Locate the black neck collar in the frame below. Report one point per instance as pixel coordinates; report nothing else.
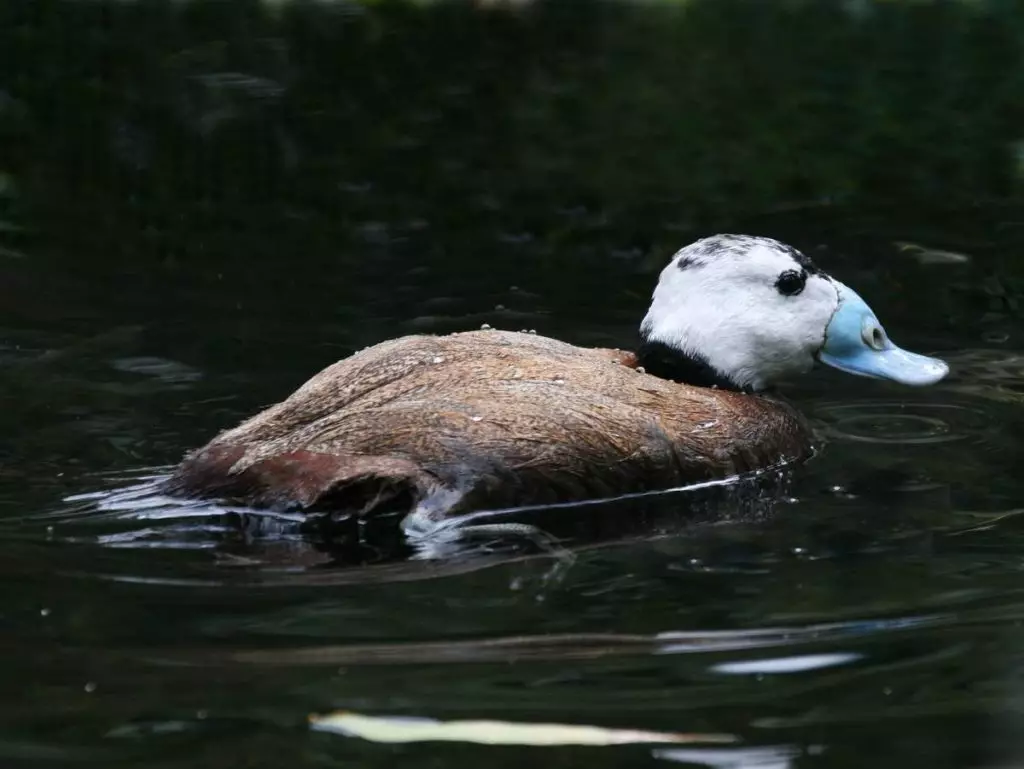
(665, 362)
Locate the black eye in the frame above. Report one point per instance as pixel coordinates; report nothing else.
(791, 282)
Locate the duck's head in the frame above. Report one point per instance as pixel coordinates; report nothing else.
(744, 312)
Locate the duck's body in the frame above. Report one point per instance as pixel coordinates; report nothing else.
(488, 418)
(442, 425)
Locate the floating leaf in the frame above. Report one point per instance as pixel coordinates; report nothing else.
(393, 729)
(926, 255)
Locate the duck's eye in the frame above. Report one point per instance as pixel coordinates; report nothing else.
(873, 335)
(791, 282)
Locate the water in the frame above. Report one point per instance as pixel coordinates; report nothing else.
(203, 204)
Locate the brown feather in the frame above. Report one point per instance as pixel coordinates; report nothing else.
(486, 418)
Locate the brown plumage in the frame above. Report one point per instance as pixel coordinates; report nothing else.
(447, 424)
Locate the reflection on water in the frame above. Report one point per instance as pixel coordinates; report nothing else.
(768, 757)
(995, 374)
(202, 204)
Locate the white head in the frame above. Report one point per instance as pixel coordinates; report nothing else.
(751, 311)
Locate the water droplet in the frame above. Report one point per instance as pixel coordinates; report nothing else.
(499, 307)
(438, 359)
(532, 331)
(477, 419)
(486, 327)
(202, 714)
(886, 691)
(560, 381)
(90, 687)
(44, 612)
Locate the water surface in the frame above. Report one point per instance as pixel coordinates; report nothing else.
(206, 204)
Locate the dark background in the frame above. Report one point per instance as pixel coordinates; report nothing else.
(202, 203)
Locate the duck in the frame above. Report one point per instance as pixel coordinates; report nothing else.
(437, 426)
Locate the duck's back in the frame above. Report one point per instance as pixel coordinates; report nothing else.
(486, 418)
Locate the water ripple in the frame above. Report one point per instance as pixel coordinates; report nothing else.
(901, 422)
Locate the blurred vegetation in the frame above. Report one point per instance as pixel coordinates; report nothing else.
(158, 136)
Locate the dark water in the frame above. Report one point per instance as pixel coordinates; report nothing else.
(203, 204)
